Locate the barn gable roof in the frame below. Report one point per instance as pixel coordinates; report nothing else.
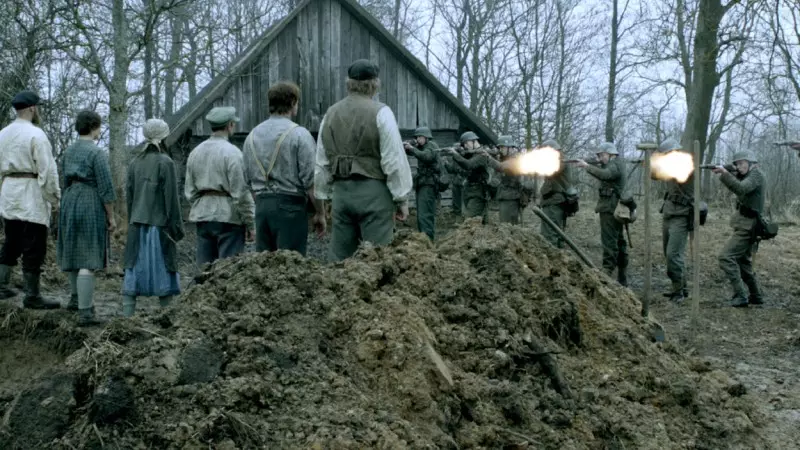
(182, 120)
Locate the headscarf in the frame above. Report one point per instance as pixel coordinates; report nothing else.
(155, 131)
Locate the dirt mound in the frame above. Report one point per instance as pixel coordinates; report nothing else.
(490, 340)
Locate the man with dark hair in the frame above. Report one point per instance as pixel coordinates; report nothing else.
(361, 165)
(279, 161)
(29, 180)
(222, 206)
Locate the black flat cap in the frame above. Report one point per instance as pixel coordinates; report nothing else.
(25, 99)
(362, 70)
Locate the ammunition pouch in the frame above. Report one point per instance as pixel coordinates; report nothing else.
(747, 212)
(606, 192)
(679, 199)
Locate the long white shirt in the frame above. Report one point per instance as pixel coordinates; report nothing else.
(394, 162)
(24, 148)
(217, 165)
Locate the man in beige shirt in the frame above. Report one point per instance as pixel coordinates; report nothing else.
(28, 192)
(222, 206)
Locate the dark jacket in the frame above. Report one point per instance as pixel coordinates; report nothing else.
(152, 200)
(749, 192)
(679, 199)
(555, 186)
(428, 167)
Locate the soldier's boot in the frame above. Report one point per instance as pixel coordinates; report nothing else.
(85, 287)
(756, 297)
(73, 287)
(128, 305)
(622, 269)
(5, 280)
(678, 293)
(33, 298)
(739, 301)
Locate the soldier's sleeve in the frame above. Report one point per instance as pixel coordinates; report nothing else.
(609, 173)
(741, 187)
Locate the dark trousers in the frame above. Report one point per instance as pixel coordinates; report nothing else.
(281, 223)
(559, 217)
(615, 248)
(25, 239)
(674, 235)
(219, 240)
(426, 210)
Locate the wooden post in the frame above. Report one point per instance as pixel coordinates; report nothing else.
(538, 211)
(648, 256)
(696, 244)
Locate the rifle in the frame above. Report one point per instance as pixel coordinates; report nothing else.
(793, 144)
(727, 167)
(592, 162)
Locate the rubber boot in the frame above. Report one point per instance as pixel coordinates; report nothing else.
(85, 287)
(165, 300)
(73, 288)
(5, 280)
(33, 298)
(128, 305)
(739, 301)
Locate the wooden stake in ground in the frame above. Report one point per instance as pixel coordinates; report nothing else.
(696, 244)
(536, 210)
(647, 147)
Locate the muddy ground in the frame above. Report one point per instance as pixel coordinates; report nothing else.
(758, 346)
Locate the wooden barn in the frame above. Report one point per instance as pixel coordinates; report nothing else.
(313, 46)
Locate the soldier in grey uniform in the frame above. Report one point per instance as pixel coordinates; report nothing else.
(476, 163)
(612, 176)
(736, 258)
(509, 187)
(457, 175)
(554, 198)
(677, 223)
(426, 182)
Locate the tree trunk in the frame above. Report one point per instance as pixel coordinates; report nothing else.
(612, 72)
(396, 19)
(118, 98)
(170, 82)
(705, 78)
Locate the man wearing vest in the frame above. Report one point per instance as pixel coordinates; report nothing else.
(677, 223)
(279, 169)
(222, 206)
(361, 165)
(554, 198)
(476, 163)
(612, 176)
(29, 180)
(426, 182)
(736, 258)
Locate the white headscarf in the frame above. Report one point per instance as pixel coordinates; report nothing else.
(155, 131)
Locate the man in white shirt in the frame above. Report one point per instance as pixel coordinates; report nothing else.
(222, 206)
(28, 191)
(361, 165)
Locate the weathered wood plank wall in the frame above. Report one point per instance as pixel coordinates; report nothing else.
(314, 50)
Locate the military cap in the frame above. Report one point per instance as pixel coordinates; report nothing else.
(669, 145)
(222, 115)
(362, 70)
(744, 156)
(468, 136)
(424, 132)
(607, 147)
(552, 143)
(505, 140)
(25, 99)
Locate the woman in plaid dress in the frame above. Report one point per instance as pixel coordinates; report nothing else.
(86, 215)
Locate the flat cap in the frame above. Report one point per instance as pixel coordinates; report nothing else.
(362, 70)
(25, 99)
(222, 115)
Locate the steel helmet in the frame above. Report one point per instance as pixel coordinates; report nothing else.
(424, 132)
(607, 147)
(744, 156)
(505, 140)
(468, 136)
(669, 145)
(552, 143)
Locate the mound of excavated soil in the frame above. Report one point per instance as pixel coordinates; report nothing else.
(490, 340)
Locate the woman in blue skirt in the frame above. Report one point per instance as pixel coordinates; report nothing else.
(155, 224)
(86, 215)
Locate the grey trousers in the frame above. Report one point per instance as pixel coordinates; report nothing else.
(281, 223)
(736, 261)
(426, 210)
(509, 211)
(559, 217)
(219, 240)
(675, 234)
(362, 210)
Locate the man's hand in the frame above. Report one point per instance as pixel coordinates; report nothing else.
(719, 170)
(111, 223)
(320, 224)
(402, 212)
(581, 163)
(407, 146)
(249, 235)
